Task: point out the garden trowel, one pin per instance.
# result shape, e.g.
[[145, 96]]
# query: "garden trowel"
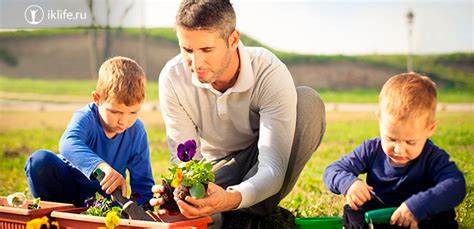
[[130, 207]]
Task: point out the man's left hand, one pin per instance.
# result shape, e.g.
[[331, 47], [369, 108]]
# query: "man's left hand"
[[217, 200]]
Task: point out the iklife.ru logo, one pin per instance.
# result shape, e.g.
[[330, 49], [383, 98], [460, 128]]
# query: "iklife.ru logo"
[[35, 14]]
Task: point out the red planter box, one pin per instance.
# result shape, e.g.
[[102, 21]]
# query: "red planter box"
[[17, 217], [71, 218]]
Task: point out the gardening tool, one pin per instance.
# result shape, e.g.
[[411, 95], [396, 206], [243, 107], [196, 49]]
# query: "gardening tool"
[[379, 216], [373, 194], [129, 206]]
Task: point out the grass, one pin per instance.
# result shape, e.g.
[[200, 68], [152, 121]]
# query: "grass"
[[19, 137], [57, 90], [79, 91]]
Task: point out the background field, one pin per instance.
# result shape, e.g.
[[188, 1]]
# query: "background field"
[[23, 132], [60, 66]]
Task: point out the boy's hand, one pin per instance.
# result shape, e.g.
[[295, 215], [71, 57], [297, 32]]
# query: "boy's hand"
[[357, 194], [112, 180], [403, 217], [157, 200]]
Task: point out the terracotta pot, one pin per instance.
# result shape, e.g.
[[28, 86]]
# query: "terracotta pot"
[[17, 217], [71, 218]]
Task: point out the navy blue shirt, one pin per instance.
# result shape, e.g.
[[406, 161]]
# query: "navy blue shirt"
[[85, 145], [428, 185]]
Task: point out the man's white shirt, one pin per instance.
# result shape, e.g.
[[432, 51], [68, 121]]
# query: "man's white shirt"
[[260, 106]]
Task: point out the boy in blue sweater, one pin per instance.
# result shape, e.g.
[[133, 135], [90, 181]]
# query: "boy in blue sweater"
[[404, 168], [105, 134]]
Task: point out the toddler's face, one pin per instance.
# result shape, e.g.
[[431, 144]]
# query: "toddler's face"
[[117, 117], [403, 141]]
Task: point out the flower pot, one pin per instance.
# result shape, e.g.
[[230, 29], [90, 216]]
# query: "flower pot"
[[71, 218], [17, 217], [327, 222]]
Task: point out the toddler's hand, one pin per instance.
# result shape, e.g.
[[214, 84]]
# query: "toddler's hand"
[[112, 179], [357, 194], [403, 217]]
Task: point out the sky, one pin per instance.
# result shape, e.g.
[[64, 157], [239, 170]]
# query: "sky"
[[304, 26]]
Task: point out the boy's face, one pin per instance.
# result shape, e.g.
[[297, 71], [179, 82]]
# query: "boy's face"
[[116, 117], [403, 141], [206, 53]]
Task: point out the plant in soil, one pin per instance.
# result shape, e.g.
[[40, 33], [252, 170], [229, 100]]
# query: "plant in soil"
[[100, 206], [188, 178]]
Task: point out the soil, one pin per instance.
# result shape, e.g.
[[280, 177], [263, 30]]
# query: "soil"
[[170, 203], [68, 56], [181, 192]]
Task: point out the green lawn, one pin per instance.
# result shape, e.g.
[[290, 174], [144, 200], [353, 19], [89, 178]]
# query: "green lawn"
[[309, 198], [79, 91]]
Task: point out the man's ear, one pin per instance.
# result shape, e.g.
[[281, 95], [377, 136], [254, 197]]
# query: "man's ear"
[[234, 39], [96, 98]]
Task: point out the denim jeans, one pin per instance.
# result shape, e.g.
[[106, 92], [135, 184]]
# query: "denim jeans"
[[52, 178]]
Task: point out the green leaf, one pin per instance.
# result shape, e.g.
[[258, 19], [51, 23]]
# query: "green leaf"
[[197, 191]]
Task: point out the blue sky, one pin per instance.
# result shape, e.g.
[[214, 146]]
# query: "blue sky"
[[305, 26], [353, 26]]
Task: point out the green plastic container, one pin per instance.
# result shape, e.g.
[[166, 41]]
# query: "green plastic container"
[[324, 222], [380, 215]]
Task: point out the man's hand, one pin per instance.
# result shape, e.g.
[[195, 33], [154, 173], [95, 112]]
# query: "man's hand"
[[157, 200], [403, 217], [357, 194], [112, 179], [217, 200]]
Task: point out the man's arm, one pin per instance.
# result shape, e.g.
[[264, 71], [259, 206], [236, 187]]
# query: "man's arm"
[[277, 108], [179, 126]]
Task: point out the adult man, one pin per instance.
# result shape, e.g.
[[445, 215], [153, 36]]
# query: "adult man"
[[241, 106]]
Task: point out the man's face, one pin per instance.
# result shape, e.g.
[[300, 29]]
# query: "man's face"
[[403, 141], [116, 117], [206, 53]]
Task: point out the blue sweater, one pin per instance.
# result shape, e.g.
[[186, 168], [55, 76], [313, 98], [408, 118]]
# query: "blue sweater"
[[85, 145], [428, 185]]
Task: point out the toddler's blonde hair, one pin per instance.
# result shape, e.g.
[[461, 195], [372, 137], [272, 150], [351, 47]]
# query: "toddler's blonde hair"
[[408, 95]]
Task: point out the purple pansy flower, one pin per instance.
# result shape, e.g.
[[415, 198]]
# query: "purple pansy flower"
[[187, 150]]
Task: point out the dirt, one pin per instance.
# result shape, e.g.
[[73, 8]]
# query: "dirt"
[[170, 204], [68, 57], [57, 119]]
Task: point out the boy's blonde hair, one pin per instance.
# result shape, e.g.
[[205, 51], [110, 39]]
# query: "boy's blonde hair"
[[408, 95], [121, 79]]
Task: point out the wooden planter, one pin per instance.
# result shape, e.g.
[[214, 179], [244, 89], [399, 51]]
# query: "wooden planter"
[[71, 218], [17, 217]]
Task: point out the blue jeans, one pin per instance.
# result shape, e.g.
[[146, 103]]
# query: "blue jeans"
[[53, 178]]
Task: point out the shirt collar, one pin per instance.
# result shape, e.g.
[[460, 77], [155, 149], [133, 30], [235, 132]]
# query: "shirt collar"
[[245, 80]]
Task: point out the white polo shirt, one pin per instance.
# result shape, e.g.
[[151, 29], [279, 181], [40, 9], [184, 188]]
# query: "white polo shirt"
[[261, 106]]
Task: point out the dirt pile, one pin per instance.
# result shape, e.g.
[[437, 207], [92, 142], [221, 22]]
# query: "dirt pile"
[[69, 56]]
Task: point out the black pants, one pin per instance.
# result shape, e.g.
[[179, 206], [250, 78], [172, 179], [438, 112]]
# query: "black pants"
[[352, 219]]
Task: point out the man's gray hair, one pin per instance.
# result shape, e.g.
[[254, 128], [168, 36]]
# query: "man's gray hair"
[[217, 15]]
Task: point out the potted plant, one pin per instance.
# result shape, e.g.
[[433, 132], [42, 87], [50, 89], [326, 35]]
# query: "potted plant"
[[16, 210], [188, 178], [71, 218], [101, 213]]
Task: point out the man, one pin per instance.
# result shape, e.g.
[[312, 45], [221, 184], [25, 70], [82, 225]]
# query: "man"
[[241, 106]]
